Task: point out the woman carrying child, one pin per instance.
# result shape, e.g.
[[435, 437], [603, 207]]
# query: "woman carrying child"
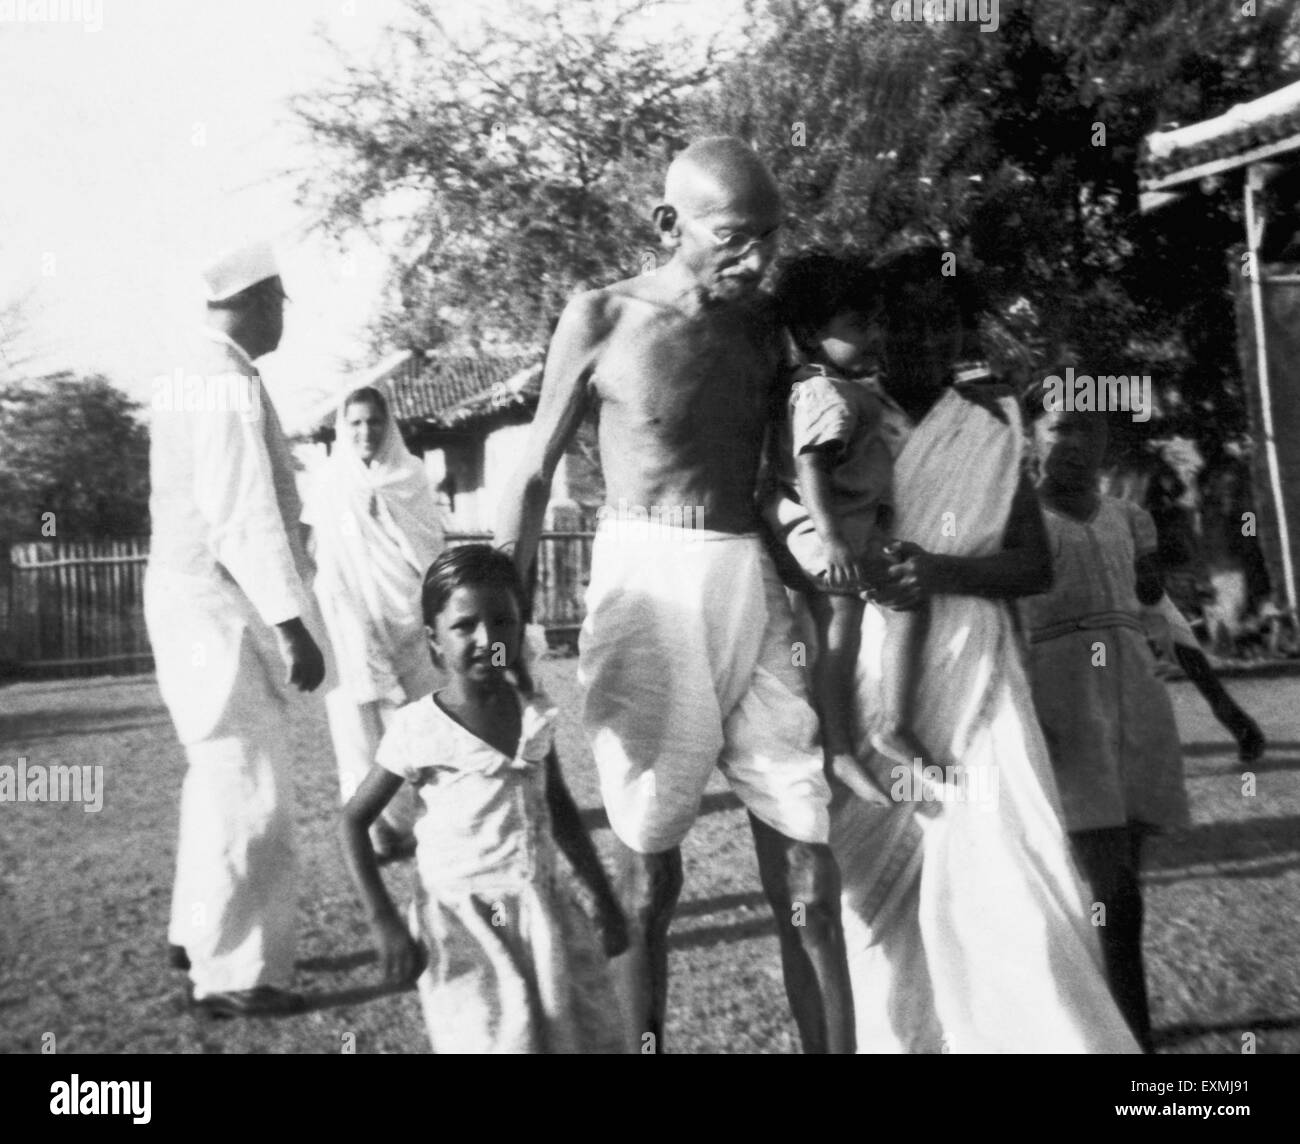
[[968, 931], [513, 964]]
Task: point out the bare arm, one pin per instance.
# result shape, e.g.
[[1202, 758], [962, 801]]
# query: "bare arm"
[[813, 470], [1022, 567], [564, 399], [397, 951]]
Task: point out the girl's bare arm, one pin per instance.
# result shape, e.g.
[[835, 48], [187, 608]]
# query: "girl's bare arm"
[[399, 957], [366, 804]]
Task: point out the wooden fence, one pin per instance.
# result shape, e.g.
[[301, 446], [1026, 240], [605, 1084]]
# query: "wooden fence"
[[77, 608]]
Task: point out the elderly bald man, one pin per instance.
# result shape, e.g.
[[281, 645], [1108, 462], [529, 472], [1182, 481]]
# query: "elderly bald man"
[[687, 651]]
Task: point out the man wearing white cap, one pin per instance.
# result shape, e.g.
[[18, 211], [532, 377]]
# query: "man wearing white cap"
[[225, 604]]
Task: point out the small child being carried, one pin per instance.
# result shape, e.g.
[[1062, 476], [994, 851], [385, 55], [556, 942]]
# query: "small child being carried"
[[513, 963], [830, 507]]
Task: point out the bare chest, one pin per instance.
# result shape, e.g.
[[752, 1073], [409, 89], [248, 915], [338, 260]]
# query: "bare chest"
[[677, 379]]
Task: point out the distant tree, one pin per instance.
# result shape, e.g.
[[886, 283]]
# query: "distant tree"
[[511, 169], [520, 169], [72, 447]]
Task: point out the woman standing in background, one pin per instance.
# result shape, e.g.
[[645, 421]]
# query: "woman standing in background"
[[377, 529]]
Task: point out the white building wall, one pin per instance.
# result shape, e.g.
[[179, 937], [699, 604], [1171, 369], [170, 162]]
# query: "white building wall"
[[478, 497]]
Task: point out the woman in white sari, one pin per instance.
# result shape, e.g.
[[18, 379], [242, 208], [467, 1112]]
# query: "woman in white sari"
[[966, 922], [377, 529]]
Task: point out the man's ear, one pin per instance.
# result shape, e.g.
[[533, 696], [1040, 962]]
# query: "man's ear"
[[666, 222]]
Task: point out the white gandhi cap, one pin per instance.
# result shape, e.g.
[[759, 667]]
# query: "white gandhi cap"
[[238, 269]]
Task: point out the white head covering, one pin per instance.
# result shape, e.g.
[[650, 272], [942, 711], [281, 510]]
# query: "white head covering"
[[239, 268], [378, 528], [394, 476]]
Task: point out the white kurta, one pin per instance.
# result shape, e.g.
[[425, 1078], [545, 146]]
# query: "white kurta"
[[226, 563]]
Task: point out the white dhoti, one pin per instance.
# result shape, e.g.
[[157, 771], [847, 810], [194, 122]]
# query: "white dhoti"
[[969, 931], [221, 675], [234, 900], [688, 663]]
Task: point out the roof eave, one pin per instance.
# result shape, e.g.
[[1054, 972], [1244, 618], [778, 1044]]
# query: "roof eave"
[[1192, 174]]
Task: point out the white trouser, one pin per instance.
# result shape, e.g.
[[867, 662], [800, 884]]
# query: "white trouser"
[[223, 680], [234, 901]]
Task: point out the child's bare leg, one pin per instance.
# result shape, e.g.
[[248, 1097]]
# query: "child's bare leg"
[[901, 673], [894, 740], [839, 634]]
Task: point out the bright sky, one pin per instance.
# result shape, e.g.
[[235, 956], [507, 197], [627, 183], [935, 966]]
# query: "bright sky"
[[143, 136]]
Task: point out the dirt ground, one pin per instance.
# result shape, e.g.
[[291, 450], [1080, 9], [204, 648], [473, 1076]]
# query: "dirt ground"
[[84, 897]]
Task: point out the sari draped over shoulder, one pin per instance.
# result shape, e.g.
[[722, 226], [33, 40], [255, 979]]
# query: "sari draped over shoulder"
[[378, 528], [968, 930]]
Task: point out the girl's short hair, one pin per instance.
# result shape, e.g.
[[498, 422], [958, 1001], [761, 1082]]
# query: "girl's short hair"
[[815, 285], [465, 565], [366, 395]]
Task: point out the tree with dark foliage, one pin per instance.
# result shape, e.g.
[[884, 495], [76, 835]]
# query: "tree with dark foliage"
[[72, 447]]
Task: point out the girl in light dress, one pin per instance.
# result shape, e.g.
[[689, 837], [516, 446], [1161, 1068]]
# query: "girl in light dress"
[[1108, 721], [513, 964]]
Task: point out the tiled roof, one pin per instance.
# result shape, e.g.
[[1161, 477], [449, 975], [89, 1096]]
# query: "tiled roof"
[[444, 392], [1238, 131]]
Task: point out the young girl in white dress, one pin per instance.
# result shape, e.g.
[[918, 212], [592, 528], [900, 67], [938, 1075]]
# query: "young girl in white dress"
[[513, 964]]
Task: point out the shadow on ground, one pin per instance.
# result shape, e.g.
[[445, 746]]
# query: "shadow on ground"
[[1177, 1034], [36, 726]]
